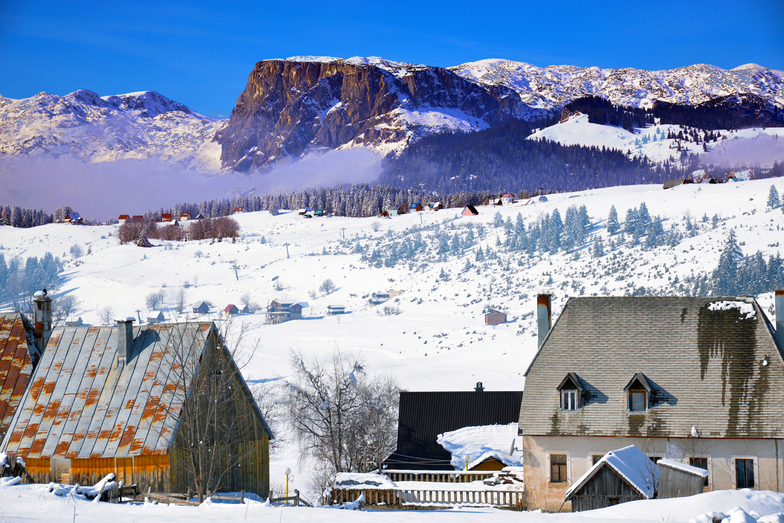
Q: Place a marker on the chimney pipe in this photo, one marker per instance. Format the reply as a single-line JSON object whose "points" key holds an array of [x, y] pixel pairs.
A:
{"points": [[543, 314], [479, 387], [124, 340], [780, 318], [43, 319]]}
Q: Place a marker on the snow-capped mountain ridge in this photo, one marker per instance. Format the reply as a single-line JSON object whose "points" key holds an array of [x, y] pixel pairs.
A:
{"points": [[554, 86], [98, 129], [325, 103]]}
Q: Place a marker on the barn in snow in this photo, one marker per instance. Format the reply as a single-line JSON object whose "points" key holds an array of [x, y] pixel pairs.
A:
{"points": [[113, 399]]}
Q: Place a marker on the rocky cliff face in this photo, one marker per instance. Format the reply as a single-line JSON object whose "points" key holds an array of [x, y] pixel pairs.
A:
{"points": [[290, 106]]}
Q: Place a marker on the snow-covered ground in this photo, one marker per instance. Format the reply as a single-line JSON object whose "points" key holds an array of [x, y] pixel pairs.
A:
{"points": [[654, 143], [36, 503], [432, 336]]}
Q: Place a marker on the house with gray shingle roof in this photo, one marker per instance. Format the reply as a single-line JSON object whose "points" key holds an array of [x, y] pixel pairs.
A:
{"points": [[696, 379]]}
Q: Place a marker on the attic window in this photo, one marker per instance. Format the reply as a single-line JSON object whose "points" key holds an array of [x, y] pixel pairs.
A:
{"points": [[638, 393], [571, 390]]}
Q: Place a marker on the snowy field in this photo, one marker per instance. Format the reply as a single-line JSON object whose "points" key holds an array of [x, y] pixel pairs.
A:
{"points": [[36, 503], [432, 337]]}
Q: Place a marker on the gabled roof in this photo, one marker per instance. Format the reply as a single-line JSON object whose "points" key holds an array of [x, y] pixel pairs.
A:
{"points": [[82, 404], [709, 362], [632, 466], [18, 357], [425, 415]]}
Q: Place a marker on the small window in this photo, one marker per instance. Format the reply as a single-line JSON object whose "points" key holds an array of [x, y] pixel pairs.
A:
{"points": [[637, 401], [744, 473], [596, 458], [571, 391], [569, 399], [638, 393], [558, 468], [701, 463]]}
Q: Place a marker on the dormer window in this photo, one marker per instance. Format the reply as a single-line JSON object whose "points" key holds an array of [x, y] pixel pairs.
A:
{"points": [[571, 390], [638, 393]]}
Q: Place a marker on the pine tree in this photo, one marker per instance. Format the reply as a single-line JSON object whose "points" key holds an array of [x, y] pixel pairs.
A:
{"points": [[773, 198], [598, 248], [725, 277], [612, 221]]}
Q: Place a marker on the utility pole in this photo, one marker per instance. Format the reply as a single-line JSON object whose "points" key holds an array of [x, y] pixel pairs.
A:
{"points": [[343, 232]]}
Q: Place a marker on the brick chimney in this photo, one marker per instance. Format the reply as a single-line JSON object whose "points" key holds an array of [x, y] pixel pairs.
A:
{"points": [[543, 315], [780, 318], [124, 340], [43, 319]]}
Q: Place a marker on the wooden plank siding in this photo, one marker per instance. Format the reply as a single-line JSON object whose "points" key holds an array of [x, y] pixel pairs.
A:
{"points": [[604, 489], [88, 412]]}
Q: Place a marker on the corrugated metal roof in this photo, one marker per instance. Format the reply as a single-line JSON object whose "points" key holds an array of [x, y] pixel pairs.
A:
{"points": [[18, 355], [83, 404], [711, 363], [425, 415]]}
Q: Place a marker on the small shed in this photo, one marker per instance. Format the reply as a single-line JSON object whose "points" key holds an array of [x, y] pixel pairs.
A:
{"points": [[494, 317], [621, 475], [678, 479], [155, 317], [470, 210], [416, 207], [336, 309], [231, 310], [74, 321], [201, 308]]}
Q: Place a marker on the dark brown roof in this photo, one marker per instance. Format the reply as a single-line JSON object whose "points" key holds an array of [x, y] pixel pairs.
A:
{"points": [[425, 415], [711, 363]]}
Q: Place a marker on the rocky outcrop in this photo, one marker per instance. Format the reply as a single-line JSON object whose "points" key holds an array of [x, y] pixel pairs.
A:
{"points": [[290, 106]]}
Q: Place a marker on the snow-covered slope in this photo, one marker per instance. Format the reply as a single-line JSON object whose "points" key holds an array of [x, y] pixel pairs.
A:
{"points": [[554, 86], [432, 336], [96, 130], [659, 143]]}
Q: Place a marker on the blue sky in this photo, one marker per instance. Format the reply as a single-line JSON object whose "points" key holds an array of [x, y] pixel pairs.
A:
{"points": [[200, 53]]}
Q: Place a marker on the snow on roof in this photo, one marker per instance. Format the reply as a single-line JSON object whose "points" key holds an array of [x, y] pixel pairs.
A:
{"points": [[631, 464], [746, 309], [355, 480], [480, 443], [697, 471]]}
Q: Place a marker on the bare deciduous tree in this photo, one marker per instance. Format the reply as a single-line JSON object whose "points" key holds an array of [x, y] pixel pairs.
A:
{"points": [[340, 416], [64, 306], [247, 302], [106, 315], [155, 299], [327, 286], [218, 429]]}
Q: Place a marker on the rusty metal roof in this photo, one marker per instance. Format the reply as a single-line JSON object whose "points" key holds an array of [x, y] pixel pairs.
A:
{"points": [[84, 402], [18, 355]]}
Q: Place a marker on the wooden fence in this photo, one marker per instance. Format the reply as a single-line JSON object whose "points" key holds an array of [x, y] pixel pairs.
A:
{"points": [[437, 476], [401, 497]]}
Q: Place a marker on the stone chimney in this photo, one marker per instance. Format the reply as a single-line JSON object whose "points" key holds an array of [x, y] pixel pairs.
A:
{"points": [[780, 318], [124, 340], [43, 319], [543, 315]]}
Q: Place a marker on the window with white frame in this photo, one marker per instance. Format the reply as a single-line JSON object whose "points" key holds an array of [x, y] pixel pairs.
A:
{"points": [[570, 391], [569, 399]]}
